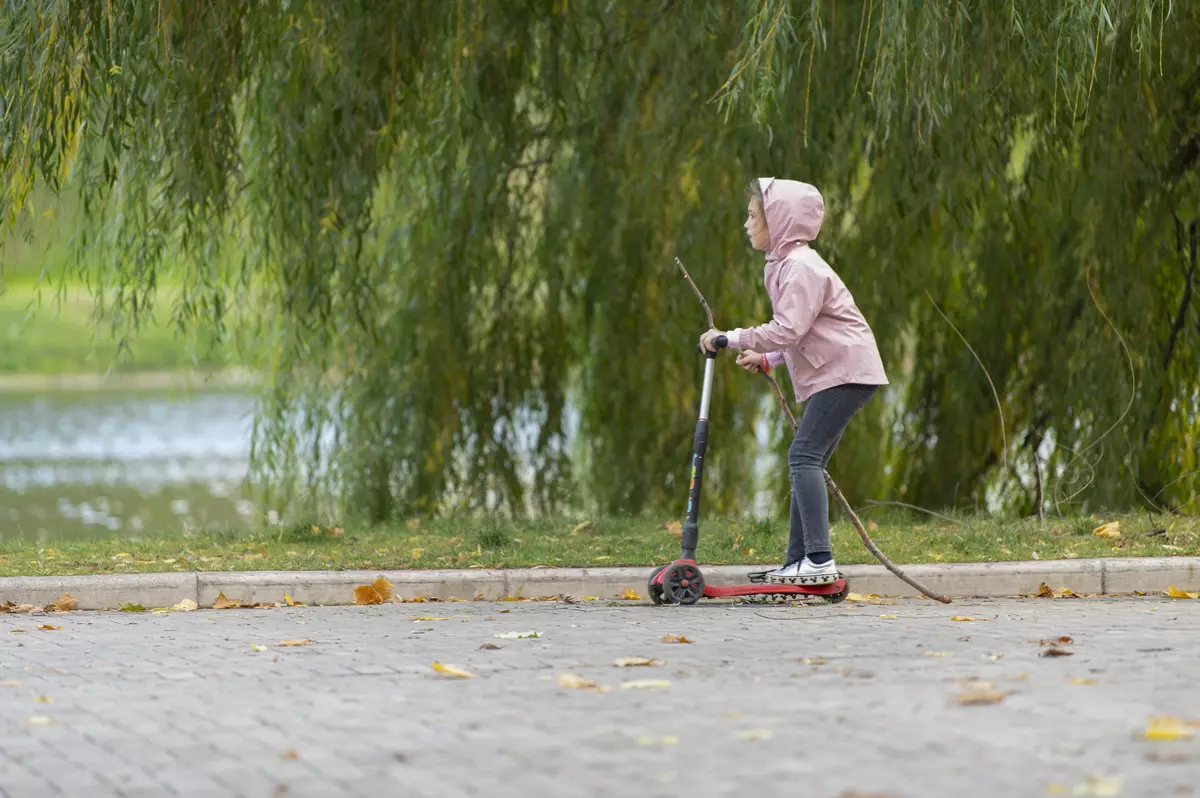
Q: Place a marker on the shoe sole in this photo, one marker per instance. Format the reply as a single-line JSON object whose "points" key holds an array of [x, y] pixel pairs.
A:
{"points": [[822, 579]]}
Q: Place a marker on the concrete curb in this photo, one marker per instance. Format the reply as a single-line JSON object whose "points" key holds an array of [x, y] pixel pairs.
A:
{"points": [[961, 580]]}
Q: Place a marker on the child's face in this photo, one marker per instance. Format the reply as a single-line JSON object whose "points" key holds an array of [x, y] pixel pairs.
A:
{"points": [[756, 226]]}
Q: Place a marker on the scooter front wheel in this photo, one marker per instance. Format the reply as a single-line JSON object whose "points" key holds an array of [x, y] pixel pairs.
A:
{"points": [[655, 591], [682, 583]]}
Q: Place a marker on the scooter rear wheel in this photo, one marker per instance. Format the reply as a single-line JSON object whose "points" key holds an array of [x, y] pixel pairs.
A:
{"points": [[655, 591], [840, 596], [682, 583]]}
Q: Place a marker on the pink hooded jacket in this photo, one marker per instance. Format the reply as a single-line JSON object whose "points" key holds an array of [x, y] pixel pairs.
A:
{"points": [[816, 329]]}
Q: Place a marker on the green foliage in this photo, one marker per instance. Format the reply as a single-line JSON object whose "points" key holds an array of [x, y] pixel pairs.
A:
{"points": [[446, 223]]}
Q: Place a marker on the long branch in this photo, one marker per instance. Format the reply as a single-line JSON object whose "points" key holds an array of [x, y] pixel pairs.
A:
{"points": [[829, 483]]}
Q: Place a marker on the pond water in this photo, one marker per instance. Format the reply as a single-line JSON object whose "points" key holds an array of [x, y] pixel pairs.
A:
{"points": [[74, 464]]}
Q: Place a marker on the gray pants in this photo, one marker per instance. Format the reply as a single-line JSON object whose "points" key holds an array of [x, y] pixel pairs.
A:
{"points": [[826, 415]]}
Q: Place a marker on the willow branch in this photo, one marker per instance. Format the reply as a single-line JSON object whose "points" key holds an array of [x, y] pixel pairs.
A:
{"points": [[829, 483]]}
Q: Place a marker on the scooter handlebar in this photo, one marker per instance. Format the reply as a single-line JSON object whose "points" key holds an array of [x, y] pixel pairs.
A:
{"points": [[721, 342]]}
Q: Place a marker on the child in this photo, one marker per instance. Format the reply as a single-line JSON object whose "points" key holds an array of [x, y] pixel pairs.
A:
{"points": [[821, 336]]}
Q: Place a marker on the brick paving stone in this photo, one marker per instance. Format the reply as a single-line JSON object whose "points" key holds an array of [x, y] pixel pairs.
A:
{"points": [[815, 701]]}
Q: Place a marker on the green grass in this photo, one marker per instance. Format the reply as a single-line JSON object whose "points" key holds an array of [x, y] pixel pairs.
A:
{"points": [[483, 543], [40, 336]]}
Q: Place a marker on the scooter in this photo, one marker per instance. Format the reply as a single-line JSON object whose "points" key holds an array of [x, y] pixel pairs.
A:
{"points": [[681, 582]]}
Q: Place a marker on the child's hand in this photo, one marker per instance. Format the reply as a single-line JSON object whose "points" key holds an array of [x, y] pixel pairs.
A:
{"points": [[751, 361], [708, 341]]}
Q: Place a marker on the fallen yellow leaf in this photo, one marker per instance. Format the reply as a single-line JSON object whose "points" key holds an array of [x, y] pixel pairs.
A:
{"points": [[645, 684], [127, 607], [377, 592], [223, 603], [665, 739], [452, 671], [937, 653], [813, 661], [1162, 729], [64, 603], [45, 699], [1175, 592], [47, 627], [636, 662], [569, 681], [287, 599], [1100, 787], [12, 684], [862, 597], [890, 617], [1080, 680], [675, 528], [187, 605], [294, 643], [673, 639], [1110, 530], [425, 618], [256, 647], [977, 697], [631, 595], [966, 618]]}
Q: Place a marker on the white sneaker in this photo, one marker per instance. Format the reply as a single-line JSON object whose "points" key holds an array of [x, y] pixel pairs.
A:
{"points": [[804, 573]]}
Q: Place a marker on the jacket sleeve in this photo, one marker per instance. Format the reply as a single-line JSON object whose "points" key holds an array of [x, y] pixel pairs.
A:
{"points": [[801, 298], [774, 358]]}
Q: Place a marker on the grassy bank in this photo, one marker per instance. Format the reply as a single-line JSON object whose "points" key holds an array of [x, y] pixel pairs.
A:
{"points": [[41, 336], [467, 543]]}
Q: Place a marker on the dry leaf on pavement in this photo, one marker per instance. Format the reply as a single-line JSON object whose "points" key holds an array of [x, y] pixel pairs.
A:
{"points": [[47, 627], [1095, 785], [645, 684], [64, 603], [635, 662], [1175, 592], [377, 592], [1055, 651], [187, 605], [452, 671], [631, 595], [256, 647], [1057, 641], [294, 643], [569, 681], [1160, 729], [1082, 681], [978, 697], [673, 639], [222, 603], [517, 635], [967, 618], [128, 607]]}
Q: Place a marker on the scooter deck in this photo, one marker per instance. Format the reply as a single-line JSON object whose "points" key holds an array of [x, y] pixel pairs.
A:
{"points": [[760, 588]]}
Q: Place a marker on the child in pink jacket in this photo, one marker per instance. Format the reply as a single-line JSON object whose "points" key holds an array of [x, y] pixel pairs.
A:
{"points": [[821, 336]]}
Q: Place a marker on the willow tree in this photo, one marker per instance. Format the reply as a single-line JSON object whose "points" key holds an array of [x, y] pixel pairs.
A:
{"points": [[450, 227]]}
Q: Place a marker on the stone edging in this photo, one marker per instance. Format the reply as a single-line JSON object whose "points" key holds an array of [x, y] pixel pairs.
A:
{"points": [[962, 580]]}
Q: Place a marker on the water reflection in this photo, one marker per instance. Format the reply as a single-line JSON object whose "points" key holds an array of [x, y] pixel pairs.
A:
{"points": [[75, 464]]}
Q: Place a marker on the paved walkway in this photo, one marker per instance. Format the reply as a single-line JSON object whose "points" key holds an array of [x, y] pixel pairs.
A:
{"points": [[806, 701]]}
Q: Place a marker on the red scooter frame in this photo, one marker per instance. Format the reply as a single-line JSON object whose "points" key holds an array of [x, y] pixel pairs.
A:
{"points": [[681, 582]]}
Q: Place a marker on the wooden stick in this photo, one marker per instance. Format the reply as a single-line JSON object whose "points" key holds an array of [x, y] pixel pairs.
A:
{"points": [[829, 483]]}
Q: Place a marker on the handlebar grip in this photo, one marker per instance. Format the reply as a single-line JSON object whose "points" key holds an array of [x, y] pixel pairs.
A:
{"points": [[721, 342]]}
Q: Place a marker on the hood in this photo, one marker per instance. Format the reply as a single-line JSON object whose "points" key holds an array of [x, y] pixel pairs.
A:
{"points": [[794, 212]]}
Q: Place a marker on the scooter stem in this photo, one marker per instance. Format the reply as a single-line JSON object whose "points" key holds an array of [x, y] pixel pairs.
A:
{"points": [[691, 529]]}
